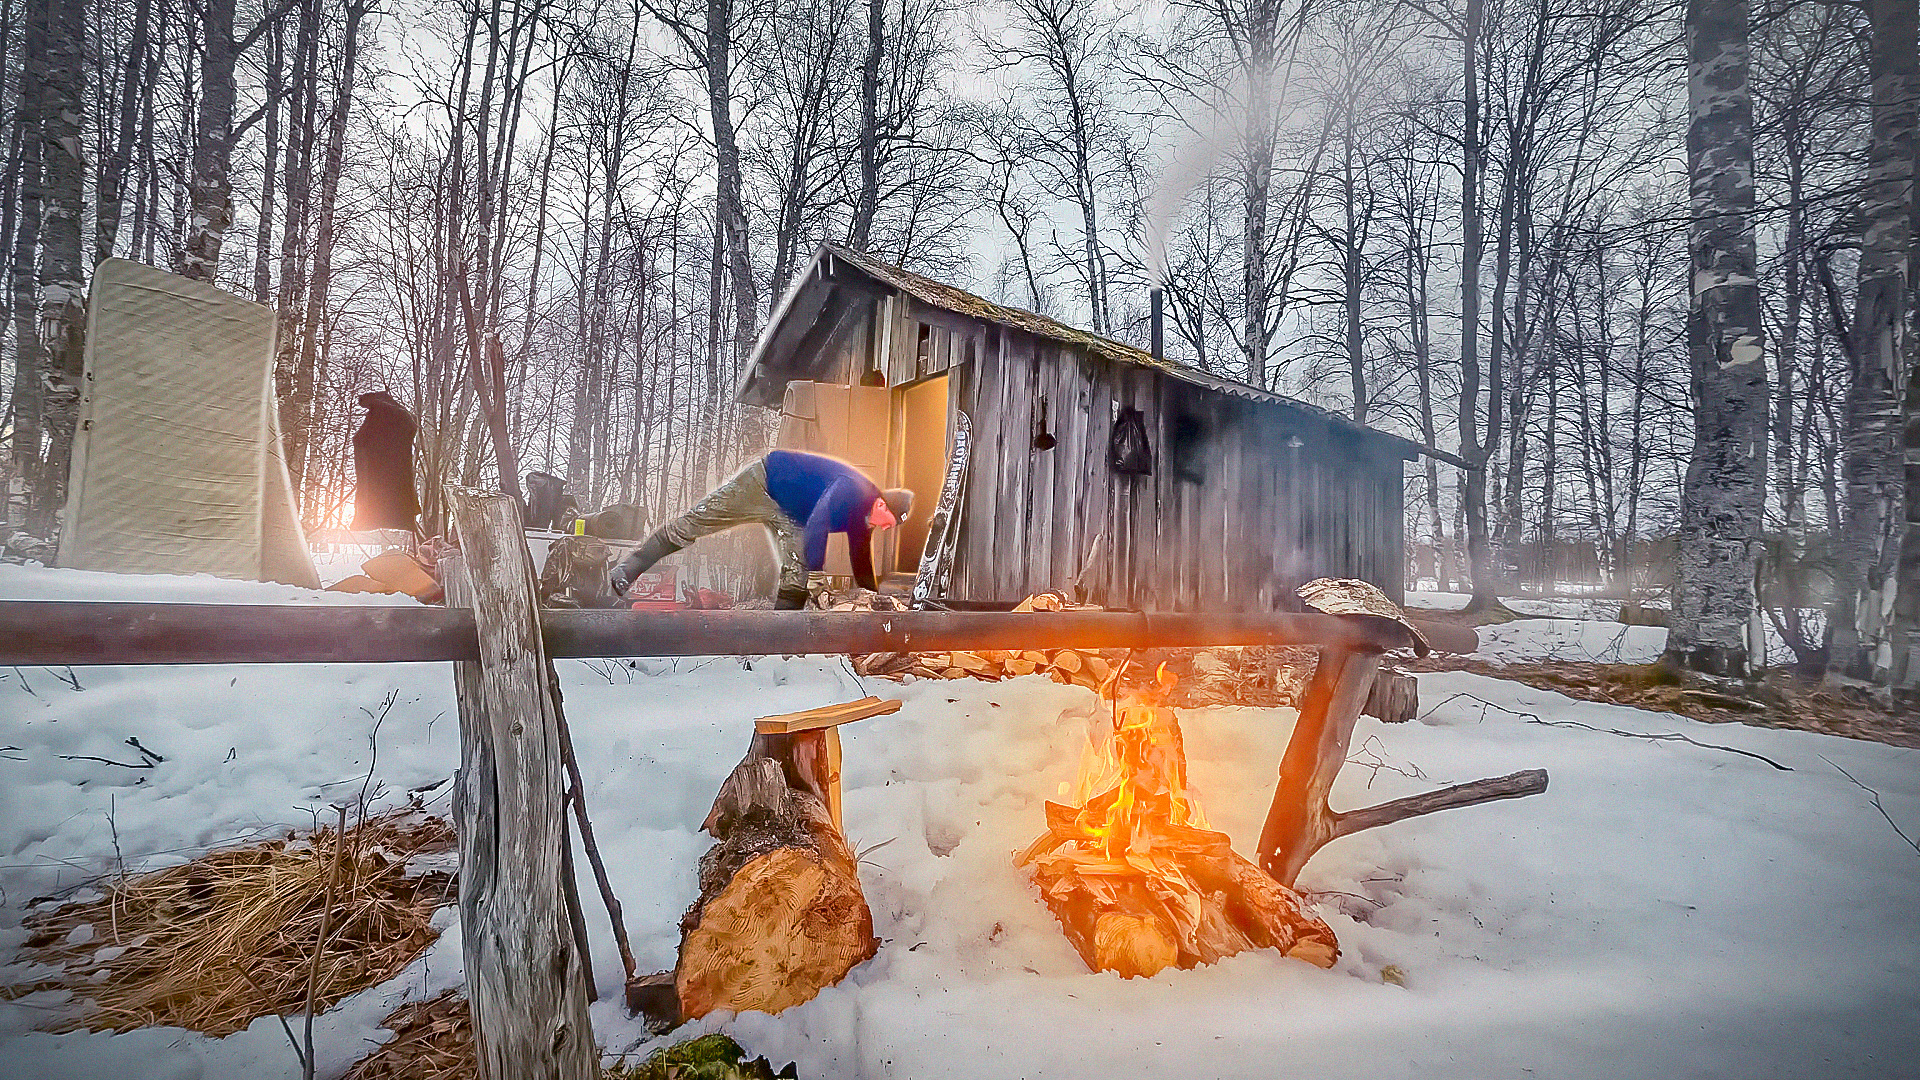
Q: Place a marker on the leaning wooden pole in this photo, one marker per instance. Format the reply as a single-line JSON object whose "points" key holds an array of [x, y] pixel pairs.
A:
{"points": [[526, 984]]}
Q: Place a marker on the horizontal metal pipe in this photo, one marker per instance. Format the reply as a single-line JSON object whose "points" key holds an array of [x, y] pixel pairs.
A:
{"points": [[41, 632]]}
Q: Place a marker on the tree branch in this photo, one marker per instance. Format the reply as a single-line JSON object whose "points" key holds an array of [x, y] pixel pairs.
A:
{"points": [[1511, 786]]}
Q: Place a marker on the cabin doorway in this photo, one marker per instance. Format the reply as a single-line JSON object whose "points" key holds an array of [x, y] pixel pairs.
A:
{"points": [[917, 460]]}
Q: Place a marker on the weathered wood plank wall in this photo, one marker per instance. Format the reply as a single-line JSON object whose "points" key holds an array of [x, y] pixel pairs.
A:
{"points": [[1233, 516]]}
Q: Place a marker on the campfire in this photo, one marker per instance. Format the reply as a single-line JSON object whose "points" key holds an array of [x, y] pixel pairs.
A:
{"points": [[1133, 873]]}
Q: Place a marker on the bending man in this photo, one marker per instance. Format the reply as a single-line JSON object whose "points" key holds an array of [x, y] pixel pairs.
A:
{"points": [[801, 498]]}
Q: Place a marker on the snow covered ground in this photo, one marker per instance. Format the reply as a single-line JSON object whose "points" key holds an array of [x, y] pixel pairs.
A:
{"points": [[1664, 910]]}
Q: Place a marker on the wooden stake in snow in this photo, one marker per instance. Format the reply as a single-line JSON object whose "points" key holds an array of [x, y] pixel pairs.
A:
{"points": [[524, 971]]}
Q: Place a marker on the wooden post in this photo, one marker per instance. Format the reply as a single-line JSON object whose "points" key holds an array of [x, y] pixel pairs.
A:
{"points": [[1299, 820], [526, 984]]}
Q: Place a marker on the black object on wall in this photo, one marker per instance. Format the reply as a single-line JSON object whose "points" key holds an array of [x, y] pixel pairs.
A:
{"points": [[1127, 449]]}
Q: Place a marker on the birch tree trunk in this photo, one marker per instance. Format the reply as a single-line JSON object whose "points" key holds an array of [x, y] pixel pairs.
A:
{"points": [[1722, 493], [729, 207], [1868, 551], [1896, 44], [867, 202], [1257, 183], [299, 438], [1473, 483], [209, 188], [111, 196], [62, 268], [24, 293]]}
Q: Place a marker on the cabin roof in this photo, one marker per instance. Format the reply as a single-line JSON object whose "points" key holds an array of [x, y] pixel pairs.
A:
{"points": [[762, 380]]}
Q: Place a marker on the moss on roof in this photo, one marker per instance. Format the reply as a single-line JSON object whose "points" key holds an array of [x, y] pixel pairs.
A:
{"points": [[961, 302]]}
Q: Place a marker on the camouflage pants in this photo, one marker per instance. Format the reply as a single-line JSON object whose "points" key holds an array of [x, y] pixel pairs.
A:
{"points": [[743, 500]]}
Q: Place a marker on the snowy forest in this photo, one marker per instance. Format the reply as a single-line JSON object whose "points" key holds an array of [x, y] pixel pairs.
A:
{"points": [[1515, 231]]}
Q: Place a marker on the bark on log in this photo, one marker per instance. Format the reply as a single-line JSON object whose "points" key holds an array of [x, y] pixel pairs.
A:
{"points": [[1395, 697], [1299, 822], [780, 914]]}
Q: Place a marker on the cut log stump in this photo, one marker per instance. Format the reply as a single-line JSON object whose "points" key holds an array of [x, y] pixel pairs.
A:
{"points": [[780, 915], [1395, 697]]}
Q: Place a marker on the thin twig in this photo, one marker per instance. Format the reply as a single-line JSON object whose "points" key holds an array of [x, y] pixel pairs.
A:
{"points": [[373, 744], [298, 1054], [1483, 712], [113, 905], [144, 752], [106, 761], [1876, 804], [1668, 736], [320, 945]]}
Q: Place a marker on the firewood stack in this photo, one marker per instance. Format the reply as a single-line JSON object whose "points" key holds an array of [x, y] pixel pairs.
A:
{"points": [[1137, 880], [1088, 669]]}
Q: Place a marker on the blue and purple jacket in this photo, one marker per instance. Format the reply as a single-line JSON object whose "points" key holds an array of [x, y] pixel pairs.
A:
{"points": [[825, 495]]}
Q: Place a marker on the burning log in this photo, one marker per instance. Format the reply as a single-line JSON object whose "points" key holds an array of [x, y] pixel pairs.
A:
{"points": [[780, 914], [1137, 879]]}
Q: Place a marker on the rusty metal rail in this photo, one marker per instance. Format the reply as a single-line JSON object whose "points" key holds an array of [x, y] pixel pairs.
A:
{"points": [[44, 632]]}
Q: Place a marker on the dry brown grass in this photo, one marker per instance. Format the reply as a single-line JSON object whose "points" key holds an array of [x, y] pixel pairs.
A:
{"points": [[215, 943], [1777, 699], [432, 1040]]}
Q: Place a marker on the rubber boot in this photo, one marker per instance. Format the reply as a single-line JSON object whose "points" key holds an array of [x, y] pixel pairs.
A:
{"points": [[657, 547], [790, 600]]}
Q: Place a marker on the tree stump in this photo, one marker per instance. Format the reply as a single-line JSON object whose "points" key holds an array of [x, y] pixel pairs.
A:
{"points": [[780, 914], [1395, 697]]}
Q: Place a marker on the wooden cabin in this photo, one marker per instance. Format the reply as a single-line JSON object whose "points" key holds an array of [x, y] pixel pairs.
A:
{"points": [[1244, 494]]}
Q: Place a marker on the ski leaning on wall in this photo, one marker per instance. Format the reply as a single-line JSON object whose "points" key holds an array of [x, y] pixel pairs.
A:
{"points": [[943, 530]]}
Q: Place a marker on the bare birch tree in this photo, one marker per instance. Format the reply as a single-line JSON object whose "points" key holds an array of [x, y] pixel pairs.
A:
{"points": [[1867, 555], [1722, 496]]}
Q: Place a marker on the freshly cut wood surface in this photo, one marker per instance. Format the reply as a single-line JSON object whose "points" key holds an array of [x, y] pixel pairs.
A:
{"points": [[826, 716], [780, 914]]}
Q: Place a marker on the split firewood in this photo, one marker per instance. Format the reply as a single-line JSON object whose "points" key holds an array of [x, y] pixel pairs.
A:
{"points": [[1020, 665], [886, 663], [780, 915], [1068, 661], [826, 716], [1137, 880], [973, 662]]}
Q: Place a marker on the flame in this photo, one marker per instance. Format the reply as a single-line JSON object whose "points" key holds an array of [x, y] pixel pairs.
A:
{"points": [[1131, 791], [1136, 876]]}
